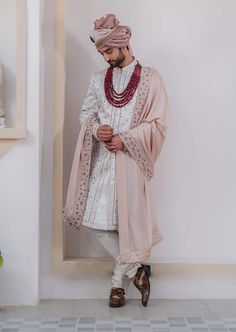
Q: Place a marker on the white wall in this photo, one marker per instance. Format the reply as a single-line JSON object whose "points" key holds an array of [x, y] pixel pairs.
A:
{"points": [[192, 44], [8, 56], [195, 53], [46, 204], [19, 189]]}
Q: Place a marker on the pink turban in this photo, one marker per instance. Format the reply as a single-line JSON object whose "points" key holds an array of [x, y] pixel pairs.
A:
{"points": [[108, 32]]}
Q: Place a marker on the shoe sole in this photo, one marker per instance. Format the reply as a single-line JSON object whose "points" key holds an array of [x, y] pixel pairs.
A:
{"points": [[146, 302], [116, 305], [147, 270]]}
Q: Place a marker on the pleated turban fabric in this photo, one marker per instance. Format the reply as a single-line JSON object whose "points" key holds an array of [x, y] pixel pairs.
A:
{"points": [[108, 32]]}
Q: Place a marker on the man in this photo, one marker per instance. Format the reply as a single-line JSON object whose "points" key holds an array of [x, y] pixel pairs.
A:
{"points": [[124, 120]]}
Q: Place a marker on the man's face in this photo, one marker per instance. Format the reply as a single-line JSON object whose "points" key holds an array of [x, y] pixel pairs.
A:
{"points": [[113, 55]]}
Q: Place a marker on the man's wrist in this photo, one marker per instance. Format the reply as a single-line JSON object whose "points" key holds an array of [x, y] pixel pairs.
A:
{"points": [[124, 147], [95, 130]]}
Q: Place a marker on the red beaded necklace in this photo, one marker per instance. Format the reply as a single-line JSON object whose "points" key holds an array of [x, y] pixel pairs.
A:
{"points": [[121, 99]]}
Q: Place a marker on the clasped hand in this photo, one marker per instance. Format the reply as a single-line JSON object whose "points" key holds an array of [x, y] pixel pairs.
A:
{"points": [[113, 142]]}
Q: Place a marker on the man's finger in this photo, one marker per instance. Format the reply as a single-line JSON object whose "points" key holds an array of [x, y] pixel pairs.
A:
{"points": [[106, 126], [105, 136], [112, 146], [106, 129], [105, 132]]}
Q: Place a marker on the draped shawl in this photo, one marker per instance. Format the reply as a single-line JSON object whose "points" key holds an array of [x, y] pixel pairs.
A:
{"points": [[137, 226]]}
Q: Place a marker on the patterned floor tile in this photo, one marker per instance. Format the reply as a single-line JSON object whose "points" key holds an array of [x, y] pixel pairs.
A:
{"points": [[118, 324]]}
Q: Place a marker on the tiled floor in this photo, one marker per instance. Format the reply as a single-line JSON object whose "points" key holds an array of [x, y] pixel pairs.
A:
{"points": [[95, 315]]}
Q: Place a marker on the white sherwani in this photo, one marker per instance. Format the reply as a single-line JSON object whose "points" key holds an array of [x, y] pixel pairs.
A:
{"points": [[101, 205]]}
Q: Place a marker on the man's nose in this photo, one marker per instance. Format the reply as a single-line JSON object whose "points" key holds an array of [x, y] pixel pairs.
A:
{"points": [[106, 57]]}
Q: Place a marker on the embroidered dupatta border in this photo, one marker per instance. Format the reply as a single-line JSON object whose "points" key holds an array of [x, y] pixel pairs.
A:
{"points": [[135, 149], [75, 219]]}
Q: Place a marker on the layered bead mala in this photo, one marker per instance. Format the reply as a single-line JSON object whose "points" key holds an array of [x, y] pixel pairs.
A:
{"points": [[121, 99]]}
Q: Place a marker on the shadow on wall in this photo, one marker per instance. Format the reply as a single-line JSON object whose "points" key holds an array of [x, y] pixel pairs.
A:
{"points": [[77, 243], [8, 94]]}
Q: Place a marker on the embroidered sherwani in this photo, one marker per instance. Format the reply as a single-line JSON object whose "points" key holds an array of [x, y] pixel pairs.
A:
{"points": [[101, 204], [125, 197]]}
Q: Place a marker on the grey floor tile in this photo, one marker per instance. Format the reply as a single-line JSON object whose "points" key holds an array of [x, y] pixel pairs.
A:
{"points": [[194, 320], [47, 329], [159, 316], [229, 320], [222, 307], [87, 320], [159, 321], [123, 329], [179, 328], [160, 329], [32, 329], [65, 324], [57, 303], [86, 329]]}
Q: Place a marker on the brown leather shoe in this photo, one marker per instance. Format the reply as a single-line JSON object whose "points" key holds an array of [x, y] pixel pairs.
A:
{"points": [[141, 281], [117, 298]]}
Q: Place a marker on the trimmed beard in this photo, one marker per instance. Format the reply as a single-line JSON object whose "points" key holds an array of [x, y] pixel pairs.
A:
{"points": [[119, 60]]}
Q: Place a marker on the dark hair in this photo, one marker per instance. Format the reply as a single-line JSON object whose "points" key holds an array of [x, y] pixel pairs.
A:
{"points": [[92, 39]]}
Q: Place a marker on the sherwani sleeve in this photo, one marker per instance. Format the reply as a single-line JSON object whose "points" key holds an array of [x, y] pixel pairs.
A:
{"points": [[144, 141], [90, 107]]}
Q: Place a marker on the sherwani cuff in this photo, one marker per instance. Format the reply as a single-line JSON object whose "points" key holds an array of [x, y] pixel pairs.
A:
{"points": [[95, 129]]}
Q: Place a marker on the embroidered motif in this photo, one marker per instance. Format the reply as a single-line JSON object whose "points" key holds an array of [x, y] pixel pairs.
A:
{"points": [[131, 144], [138, 154], [121, 120], [102, 161], [142, 95], [76, 218]]}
